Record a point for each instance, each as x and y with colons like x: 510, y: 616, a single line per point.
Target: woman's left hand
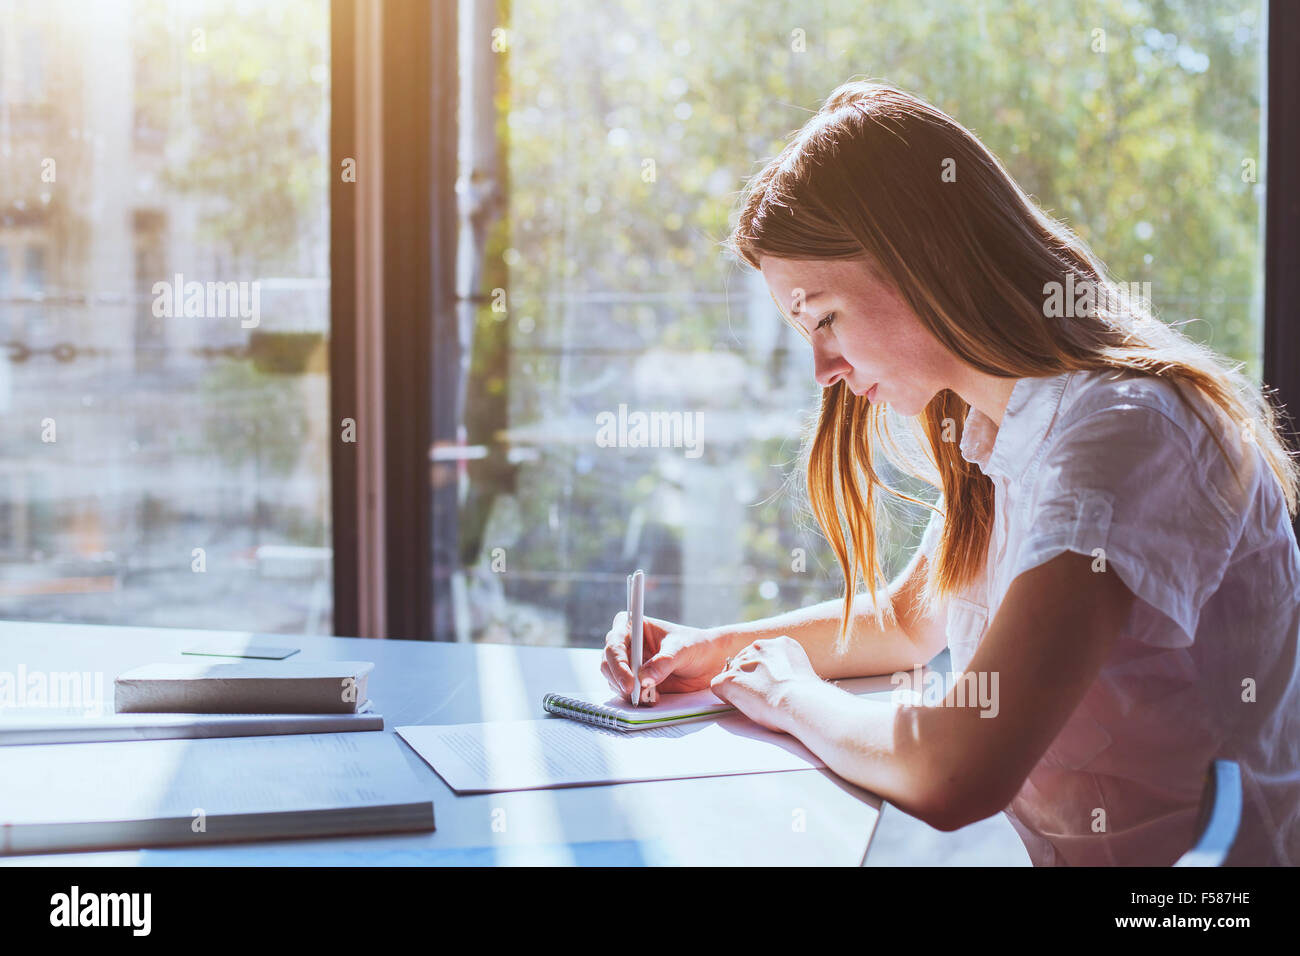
x: 759, y: 680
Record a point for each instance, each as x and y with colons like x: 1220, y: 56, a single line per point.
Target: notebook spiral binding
x: 580, y: 710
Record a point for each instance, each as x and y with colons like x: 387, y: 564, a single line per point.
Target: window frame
x: 392, y: 259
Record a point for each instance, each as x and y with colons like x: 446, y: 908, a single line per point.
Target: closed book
x: 46, y: 726
x: 127, y: 795
x: 243, y: 687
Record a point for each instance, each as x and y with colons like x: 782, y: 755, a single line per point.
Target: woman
x: 1112, y: 544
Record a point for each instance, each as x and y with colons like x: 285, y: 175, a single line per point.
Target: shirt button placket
x: 1000, y: 509
x: 1000, y: 530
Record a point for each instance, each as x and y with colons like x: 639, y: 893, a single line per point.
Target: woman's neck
x: 988, y: 393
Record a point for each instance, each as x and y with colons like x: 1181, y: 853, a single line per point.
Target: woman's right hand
x: 674, y: 658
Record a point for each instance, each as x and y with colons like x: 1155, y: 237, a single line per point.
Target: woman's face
x: 861, y: 331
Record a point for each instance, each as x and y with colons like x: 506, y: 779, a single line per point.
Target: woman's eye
x: 825, y: 321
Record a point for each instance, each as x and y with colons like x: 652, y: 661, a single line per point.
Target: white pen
x: 635, y: 610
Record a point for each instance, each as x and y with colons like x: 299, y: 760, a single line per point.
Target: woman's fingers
x: 657, y: 667
x: 619, y: 668
x: 609, y: 677
x: 658, y: 661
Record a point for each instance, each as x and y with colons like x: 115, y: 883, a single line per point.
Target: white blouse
x: 1207, y: 666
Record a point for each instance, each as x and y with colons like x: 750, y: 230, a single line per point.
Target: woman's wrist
x: 806, y: 699
x: 731, y: 641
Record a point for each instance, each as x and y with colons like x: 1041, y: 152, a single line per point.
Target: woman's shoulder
x: 1132, y: 472
x: 1179, y: 411
x: 1125, y: 414
x: 1098, y: 391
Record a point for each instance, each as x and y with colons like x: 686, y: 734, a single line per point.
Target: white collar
x: 1008, y: 449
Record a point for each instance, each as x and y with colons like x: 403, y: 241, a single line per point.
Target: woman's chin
x: 902, y: 407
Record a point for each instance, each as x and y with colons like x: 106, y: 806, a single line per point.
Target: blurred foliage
x: 247, y: 128
x: 255, y: 419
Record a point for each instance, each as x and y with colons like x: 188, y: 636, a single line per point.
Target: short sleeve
x: 1126, y: 480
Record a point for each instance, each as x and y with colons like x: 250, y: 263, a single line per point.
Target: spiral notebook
x: 669, y: 709
x: 618, y: 714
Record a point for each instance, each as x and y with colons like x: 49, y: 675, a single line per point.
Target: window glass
x: 164, y: 450
x: 616, y: 135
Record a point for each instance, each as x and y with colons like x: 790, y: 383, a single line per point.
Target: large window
x: 173, y: 396
x: 164, y: 313
x: 617, y: 135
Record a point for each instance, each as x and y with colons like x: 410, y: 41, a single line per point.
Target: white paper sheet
x: 561, y: 752
x: 557, y: 752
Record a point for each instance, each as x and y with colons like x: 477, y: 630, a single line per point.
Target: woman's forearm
x: 878, y: 746
x: 871, y: 650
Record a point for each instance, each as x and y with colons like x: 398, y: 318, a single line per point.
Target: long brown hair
x: 880, y: 175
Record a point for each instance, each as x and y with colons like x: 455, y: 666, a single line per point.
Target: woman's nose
x: 829, y: 367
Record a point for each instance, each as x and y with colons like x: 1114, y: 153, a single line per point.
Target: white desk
x: 803, y: 817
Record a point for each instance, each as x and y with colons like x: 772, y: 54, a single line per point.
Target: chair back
x: 1220, y: 816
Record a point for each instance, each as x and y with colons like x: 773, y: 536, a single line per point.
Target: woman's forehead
x: 797, y: 281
